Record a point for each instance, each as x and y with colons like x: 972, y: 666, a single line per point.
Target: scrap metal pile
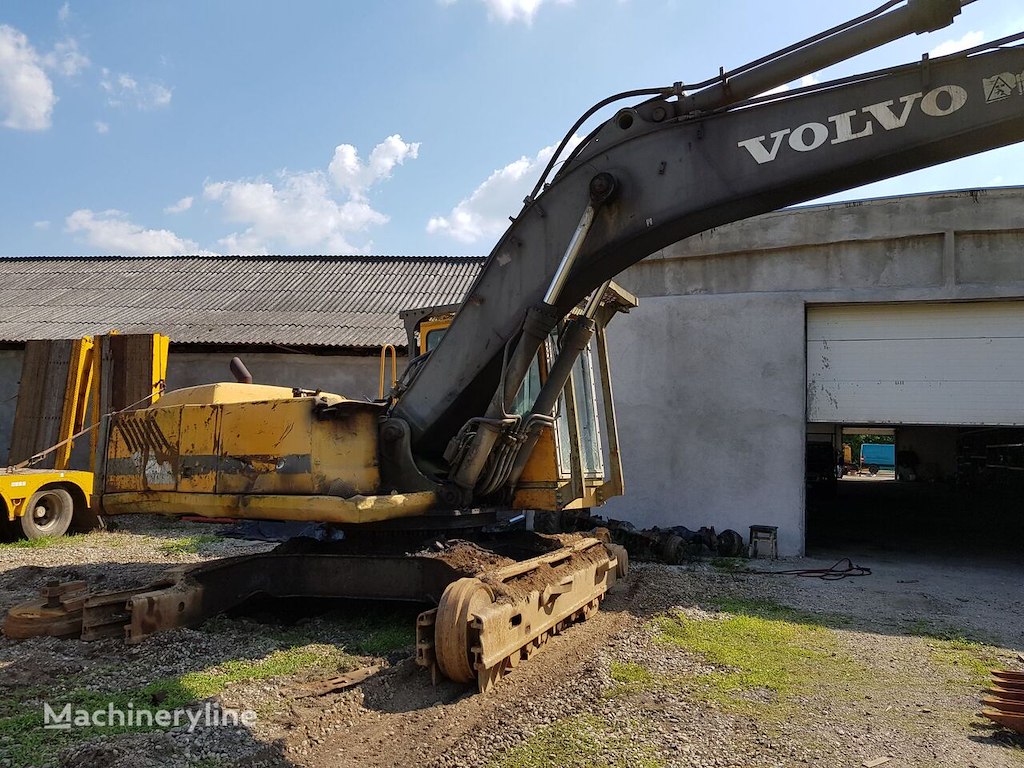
x: 1003, y: 702
x: 674, y: 546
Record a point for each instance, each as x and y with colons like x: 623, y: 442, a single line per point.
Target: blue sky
x: 319, y: 126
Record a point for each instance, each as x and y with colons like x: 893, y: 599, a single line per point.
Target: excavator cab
x: 575, y: 464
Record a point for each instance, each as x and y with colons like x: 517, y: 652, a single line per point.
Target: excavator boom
x: 666, y: 169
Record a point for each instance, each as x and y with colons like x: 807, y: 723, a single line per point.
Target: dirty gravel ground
x: 893, y: 676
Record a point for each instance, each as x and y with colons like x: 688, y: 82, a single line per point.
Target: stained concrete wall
x: 710, y: 371
x: 351, y: 376
x: 710, y: 400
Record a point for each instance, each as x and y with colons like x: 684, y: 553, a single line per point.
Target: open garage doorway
x: 951, y: 491
x: 921, y: 405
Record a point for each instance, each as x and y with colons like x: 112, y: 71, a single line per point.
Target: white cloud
x: 512, y: 10
x: 102, y: 127
x: 305, y: 211
x: 124, y: 89
x: 181, y: 206
x: 65, y: 58
x: 111, y: 231
x: 41, y: 225
x: 64, y: 13
x: 26, y: 93
x: 484, y: 214
x: 805, y: 81
x: 351, y: 175
x: 969, y: 40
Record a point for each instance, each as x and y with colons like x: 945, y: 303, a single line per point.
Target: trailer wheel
x: 872, y: 469
x: 48, y: 513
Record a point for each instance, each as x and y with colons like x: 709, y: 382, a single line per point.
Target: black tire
x: 48, y: 513
x: 872, y: 470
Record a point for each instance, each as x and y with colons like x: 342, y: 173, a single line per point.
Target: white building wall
x: 710, y: 370
x: 710, y: 402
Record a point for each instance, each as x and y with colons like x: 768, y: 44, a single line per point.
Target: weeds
x: 760, y: 647
x: 189, y: 545
x: 629, y: 678
x: 730, y: 564
x: 580, y: 741
x: 46, y: 541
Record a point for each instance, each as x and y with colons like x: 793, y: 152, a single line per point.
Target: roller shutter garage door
x: 951, y: 363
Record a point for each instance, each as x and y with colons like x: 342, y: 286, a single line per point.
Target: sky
x: 407, y: 127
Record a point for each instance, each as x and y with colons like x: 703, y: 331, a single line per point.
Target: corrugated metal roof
x: 346, y: 301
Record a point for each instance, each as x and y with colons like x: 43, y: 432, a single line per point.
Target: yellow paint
x: 432, y: 325
x: 17, y: 486
x: 76, y: 398
x: 199, y: 429
x: 545, y: 496
x: 227, y: 446
x: 388, y: 350
x: 328, y: 509
x: 225, y: 392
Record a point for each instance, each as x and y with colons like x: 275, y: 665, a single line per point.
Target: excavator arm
x: 673, y: 166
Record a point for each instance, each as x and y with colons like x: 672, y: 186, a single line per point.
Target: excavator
x: 505, y: 408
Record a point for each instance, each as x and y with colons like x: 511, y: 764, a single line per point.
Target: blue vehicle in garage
x: 875, y: 457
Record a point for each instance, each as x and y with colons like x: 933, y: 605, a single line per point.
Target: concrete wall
x: 350, y: 376
x: 710, y: 371
x: 710, y: 400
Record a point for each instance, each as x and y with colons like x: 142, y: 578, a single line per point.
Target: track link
x: 485, y: 625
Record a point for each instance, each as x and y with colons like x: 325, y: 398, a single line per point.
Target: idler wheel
x: 453, y: 636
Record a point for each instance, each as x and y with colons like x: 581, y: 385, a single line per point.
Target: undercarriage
x: 490, y: 607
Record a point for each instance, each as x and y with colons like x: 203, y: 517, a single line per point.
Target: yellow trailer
x: 46, y: 501
x: 50, y: 502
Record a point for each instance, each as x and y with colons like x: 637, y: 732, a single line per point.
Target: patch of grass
x: 629, y: 678
x: 760, y: 646
x: 580, y: 741
x: 379, y: 638
x: 188, y: 545
x: 631, y: 673
x: 972, y: 660
x: 953, y: 649
x: 175, y: 692
x: 769, y: 609
x: 46, y: 541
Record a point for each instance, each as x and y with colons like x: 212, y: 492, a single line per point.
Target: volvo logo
x: 858, y: 123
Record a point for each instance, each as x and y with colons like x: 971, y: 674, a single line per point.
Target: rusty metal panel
x: 142, y: 452
x: 200, y: 432
x: 344, y: 451
x: 265, y: 447
x: 37, y: 417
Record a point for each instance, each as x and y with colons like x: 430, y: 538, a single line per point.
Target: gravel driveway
x: 701, y: 665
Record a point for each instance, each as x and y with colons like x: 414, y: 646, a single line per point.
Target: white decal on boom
x: 938, y: 102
